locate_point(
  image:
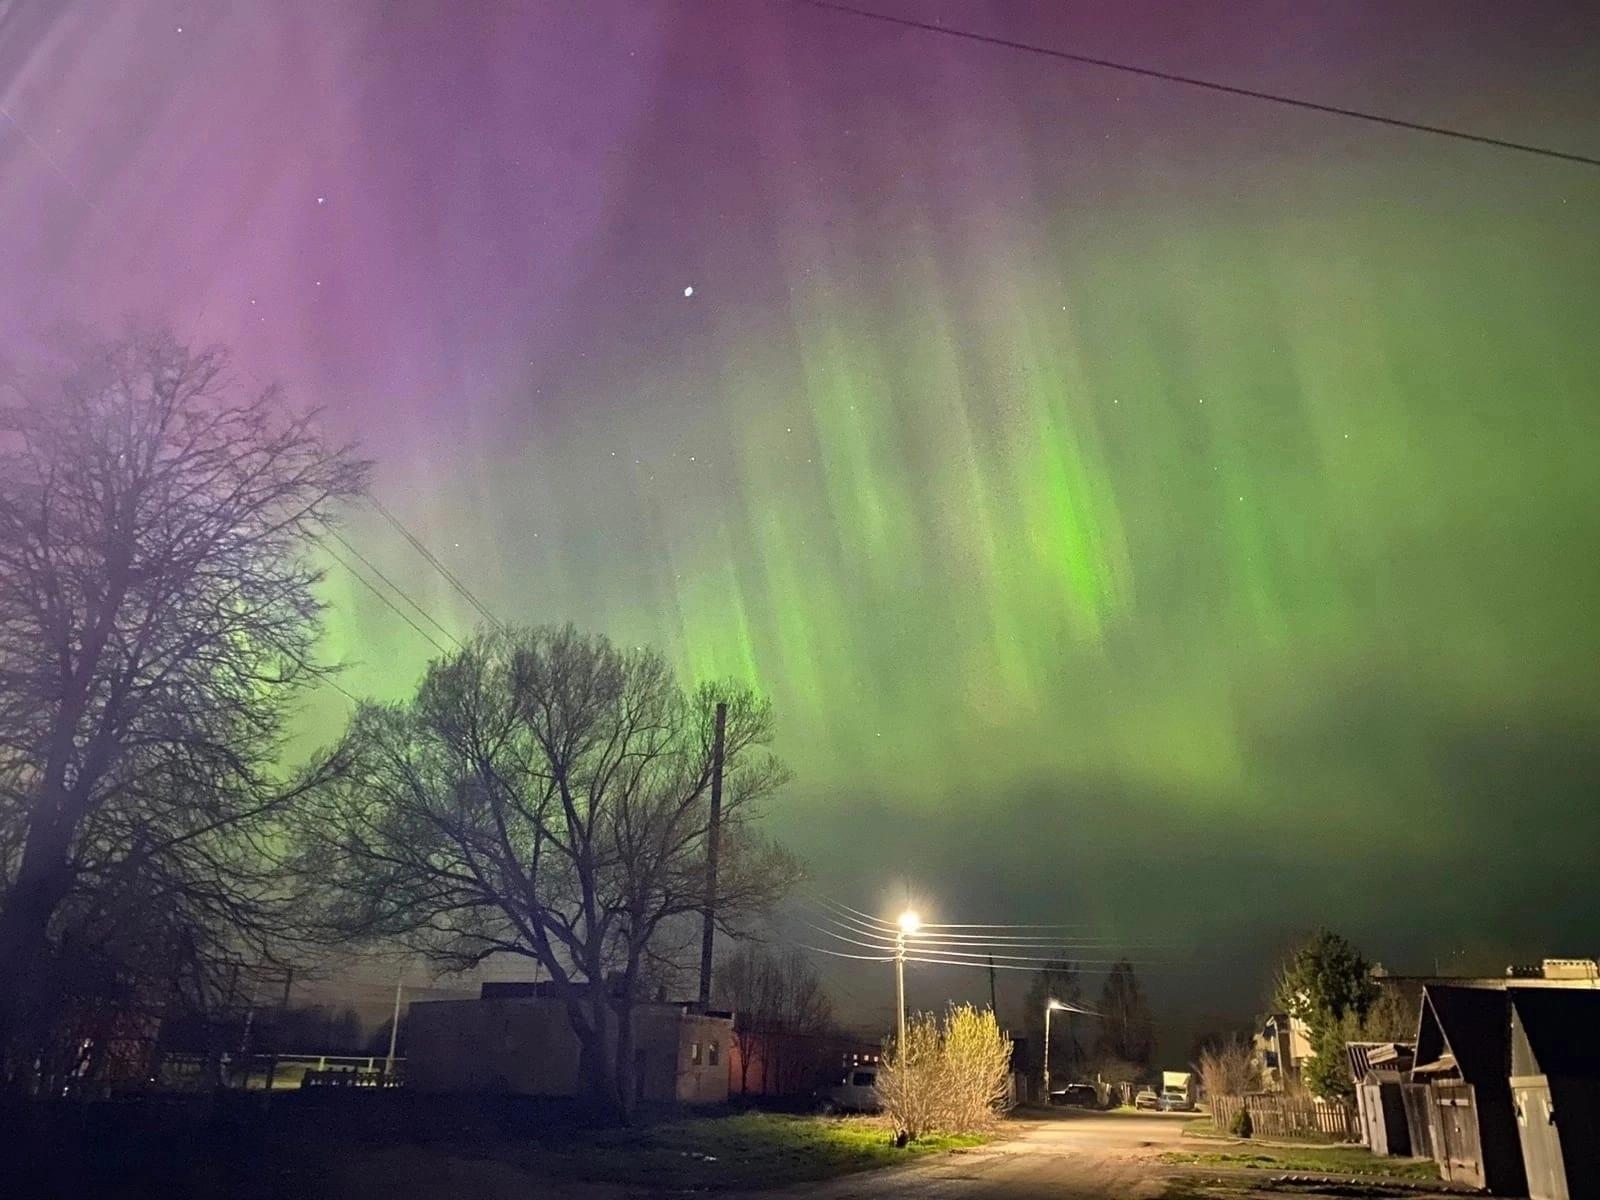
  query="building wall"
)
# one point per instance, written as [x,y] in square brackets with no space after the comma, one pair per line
[525,1046]
[522,1046]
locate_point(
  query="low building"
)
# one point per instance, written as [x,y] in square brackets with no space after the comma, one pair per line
[1555,1089]
[518,1041]
[1379,1071]
[780,1063]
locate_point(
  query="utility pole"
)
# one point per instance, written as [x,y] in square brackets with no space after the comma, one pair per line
[394,1024]
[909,924]
[272,1063]
[708,929]
[994,1005]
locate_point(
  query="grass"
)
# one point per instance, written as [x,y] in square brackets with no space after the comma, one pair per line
[1328,1160]
[741,1151]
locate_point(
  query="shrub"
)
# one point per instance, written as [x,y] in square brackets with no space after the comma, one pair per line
[949,1077]
[1241,1125]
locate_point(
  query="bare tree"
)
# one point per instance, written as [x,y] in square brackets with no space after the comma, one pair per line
[774,999]
[1229,1068]
[546,795]
[157,620]
[1127,1032]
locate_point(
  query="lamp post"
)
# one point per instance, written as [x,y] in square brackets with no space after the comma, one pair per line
[909,924]
[1050,1006]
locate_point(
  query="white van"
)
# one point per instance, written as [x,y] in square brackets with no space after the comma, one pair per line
[855,1092]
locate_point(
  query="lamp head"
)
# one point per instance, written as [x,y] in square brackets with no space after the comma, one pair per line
[910,922]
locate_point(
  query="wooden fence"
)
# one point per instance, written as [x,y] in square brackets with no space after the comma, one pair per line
[1273,1114]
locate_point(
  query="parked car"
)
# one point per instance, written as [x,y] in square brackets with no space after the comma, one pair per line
[855,1092]
[1146,1098]
[1076,1095]
[1176,1100]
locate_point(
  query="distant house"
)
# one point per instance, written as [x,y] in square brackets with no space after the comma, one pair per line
[1555,1089]
[517,1040]
[1282,1044]
[1462,1057]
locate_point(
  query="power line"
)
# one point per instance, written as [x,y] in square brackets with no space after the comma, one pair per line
[393,607]
[977,957]
[841,954]
[1064,947]
[1207,84]
[400,591]
[434,561]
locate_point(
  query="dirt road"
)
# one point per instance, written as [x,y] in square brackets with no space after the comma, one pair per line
[1066,1155]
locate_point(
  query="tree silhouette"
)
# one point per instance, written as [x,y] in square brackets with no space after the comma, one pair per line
[157,620]
[545,795]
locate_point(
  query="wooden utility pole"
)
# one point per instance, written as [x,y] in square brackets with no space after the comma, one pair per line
[277,1041]
[713,839]
[994,1005]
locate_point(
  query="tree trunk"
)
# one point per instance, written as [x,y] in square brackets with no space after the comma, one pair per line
[24,952]
[590,1021]
[627,1082]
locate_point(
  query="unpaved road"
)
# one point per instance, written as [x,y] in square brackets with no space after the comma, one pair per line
[1065,1155]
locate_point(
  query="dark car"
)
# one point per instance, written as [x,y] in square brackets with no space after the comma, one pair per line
[1076,1095]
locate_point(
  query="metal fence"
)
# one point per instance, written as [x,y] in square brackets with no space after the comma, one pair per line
[1273,1114]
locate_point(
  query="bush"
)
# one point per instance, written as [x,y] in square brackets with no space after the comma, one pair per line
[1241,1125]
[951,1076]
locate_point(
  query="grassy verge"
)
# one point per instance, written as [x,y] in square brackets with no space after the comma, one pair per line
[1329,1160]
[744,1151]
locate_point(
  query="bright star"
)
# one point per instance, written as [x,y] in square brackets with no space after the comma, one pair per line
[688,291]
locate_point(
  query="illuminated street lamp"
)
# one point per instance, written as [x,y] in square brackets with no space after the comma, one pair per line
[1051,1005]
[909,924]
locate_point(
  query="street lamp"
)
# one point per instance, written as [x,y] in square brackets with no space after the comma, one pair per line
[1051,1005]
[909,924]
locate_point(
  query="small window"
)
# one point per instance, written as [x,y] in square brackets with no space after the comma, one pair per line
[864,1079]
[694,1053]
[711,1054]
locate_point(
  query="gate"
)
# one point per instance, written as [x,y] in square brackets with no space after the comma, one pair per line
[1456,1146]
[1418,1105]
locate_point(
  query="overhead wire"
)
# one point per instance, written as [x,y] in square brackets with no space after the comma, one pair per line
[378,592]
[433,560]
[973,957]
[1210,85]
[398,590]
[1063,946]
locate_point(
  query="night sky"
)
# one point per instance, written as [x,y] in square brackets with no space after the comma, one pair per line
[1161,510]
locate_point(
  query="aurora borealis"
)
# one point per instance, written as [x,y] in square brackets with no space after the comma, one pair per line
[1159,510]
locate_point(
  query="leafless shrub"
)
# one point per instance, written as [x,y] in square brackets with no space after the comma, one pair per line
[1230,1068]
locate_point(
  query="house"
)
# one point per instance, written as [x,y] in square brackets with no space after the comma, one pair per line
[1555,1089]
[1379,1071]
[1462,1057]
[517,1040]
[1282,1044]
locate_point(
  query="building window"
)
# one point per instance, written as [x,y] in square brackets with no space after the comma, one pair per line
[711,1054]
[694,1053]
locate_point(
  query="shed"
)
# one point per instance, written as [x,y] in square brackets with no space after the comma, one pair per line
[1463,1055]
[1379,1069]
[1555,1086]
